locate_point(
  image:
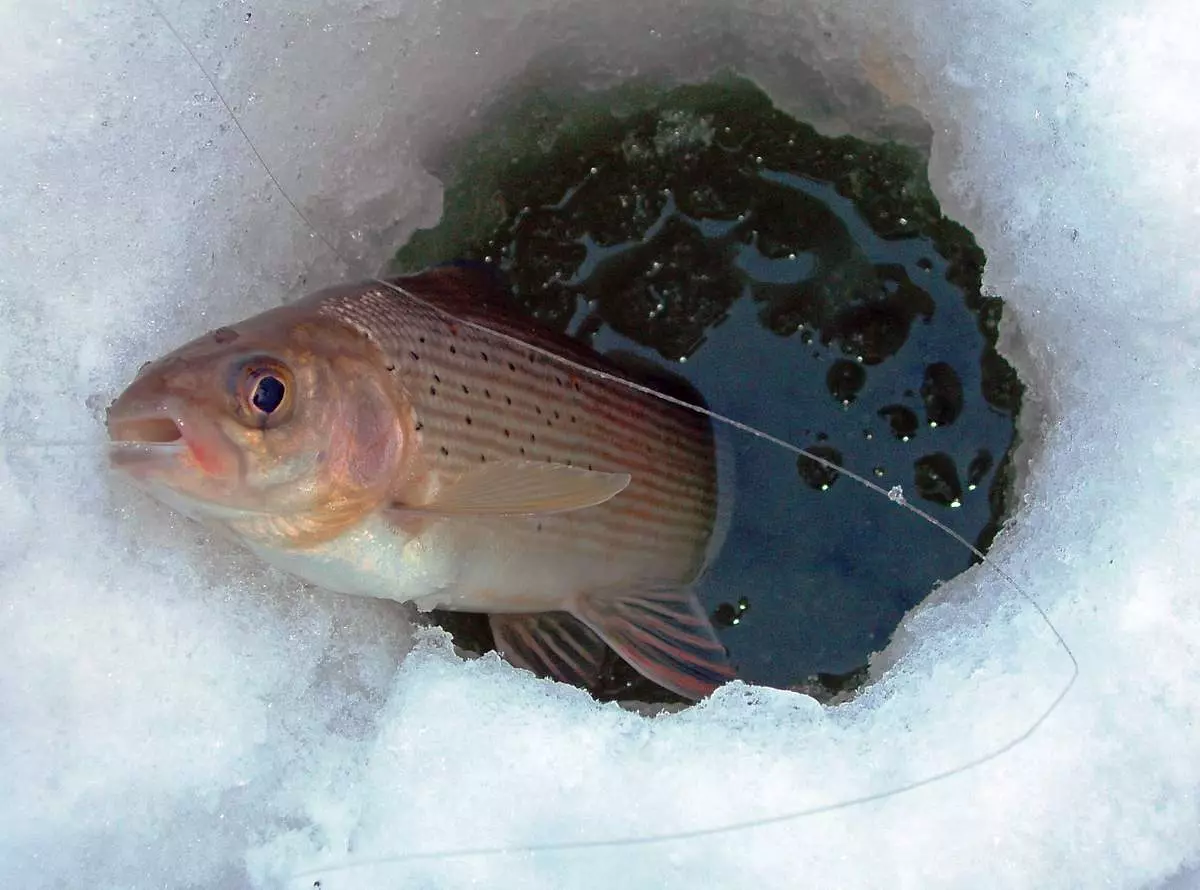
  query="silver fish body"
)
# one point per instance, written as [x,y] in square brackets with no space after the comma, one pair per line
[480,466]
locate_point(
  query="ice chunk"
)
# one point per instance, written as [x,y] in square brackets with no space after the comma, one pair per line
[175,714]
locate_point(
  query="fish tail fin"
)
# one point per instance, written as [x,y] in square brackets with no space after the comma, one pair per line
[725,458]
[661,629]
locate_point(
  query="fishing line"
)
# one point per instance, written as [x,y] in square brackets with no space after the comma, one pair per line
[894,495]
[645,840]
[246,136]
[53,443]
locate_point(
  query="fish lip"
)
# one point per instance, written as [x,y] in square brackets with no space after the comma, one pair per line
[133,421]
[156,436]
[145,429]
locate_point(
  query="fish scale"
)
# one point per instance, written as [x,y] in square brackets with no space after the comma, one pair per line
[467,388]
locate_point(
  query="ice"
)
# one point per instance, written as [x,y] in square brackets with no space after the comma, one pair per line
[177,715]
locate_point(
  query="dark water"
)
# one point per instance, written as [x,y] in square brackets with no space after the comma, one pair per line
[807,286]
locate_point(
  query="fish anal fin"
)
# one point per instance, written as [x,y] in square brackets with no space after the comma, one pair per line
[519,488]
[661,629]
[550,644]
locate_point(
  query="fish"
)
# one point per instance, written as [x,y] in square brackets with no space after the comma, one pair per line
[419,440]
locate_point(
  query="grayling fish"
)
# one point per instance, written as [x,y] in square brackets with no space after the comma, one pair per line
[376,442]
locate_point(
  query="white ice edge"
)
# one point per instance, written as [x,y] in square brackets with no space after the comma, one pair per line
[173,714]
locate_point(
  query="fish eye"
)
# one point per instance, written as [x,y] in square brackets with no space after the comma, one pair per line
[263,389]
[268,394]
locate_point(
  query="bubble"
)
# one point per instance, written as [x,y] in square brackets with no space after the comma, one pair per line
[844,380]
[816,475]
[942,392]
[936,478]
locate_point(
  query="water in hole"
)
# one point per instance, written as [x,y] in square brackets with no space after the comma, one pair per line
[808,286]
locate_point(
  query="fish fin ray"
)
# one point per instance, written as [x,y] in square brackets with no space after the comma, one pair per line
[521,488]
[550,644]
[661,629]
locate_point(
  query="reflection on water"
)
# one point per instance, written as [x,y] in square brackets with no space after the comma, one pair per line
[807,286]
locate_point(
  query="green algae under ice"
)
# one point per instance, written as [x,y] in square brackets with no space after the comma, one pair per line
[809,286]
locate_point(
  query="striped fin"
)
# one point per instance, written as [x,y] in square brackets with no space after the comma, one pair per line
[550,644]
[662,631]
[520,488]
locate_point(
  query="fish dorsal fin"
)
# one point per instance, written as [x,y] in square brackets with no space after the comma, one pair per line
[654,375]
[521,488]
[484,279]
[464,288]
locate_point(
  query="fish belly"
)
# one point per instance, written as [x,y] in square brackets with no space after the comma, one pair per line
[537,565]
[373,559]
[512,565]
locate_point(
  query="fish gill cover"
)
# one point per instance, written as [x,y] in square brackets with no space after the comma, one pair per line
[810,286]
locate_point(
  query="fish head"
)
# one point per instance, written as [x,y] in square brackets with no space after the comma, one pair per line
[286,414]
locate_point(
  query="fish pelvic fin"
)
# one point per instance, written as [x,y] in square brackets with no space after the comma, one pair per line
[519,488]
[550,644]
[661,629]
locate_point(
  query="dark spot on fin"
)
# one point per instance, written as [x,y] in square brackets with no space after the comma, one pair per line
[550,644]
[662,631]
[654,375]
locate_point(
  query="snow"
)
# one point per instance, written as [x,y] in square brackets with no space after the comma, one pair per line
[174,714]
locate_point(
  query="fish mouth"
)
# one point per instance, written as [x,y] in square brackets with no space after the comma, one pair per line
[145,444]
[162,437]
[153,430]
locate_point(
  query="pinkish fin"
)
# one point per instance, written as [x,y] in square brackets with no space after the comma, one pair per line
[550,644]
[521,488]
[660,629]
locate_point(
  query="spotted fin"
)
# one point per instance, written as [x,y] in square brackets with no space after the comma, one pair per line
[550,644]
[662,630]
[519,488]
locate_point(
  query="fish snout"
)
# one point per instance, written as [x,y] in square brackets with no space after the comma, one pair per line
[146,413]
[142,424]
[156,434]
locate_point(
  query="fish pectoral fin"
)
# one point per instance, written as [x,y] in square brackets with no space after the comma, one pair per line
[550,644]
[661,629]
[521,488]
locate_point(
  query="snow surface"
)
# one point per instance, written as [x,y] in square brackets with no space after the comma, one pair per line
[177,715]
